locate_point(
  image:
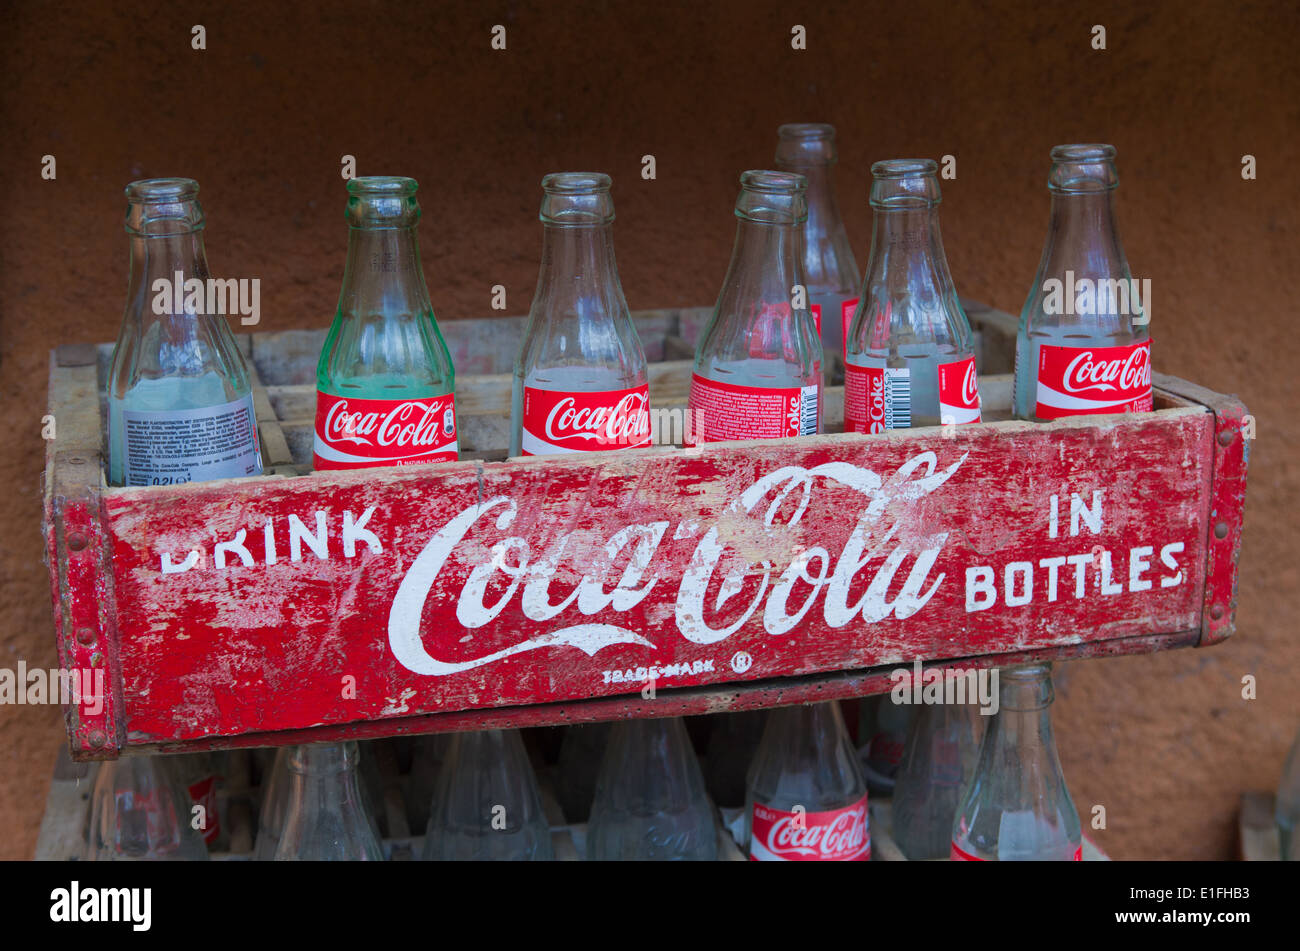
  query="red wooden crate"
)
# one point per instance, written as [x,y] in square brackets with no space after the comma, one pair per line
[507,593]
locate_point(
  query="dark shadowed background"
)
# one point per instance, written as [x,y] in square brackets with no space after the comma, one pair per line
[262,117]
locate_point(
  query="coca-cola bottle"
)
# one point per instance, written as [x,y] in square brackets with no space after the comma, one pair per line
[938,758]
[325,816]
[758,363]
[885,739]
[581,753]
[807,798]
[429,754]
[580,380]
[385,380]
[1084,343]
[911,360]
[275,797]
[486,805]
[180,407]
[830,270]
[650,800]
[1016,806]
[1287,809]
[140,811]
[201,776]
[733,740]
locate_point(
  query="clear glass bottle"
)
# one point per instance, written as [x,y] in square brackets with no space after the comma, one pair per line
[758,363]
[883,750]
[1084,344]
[807,798]
[275,797]
[486,805]
[911,359]
[580,381]
[1016,807]
[733,741]
[385,380]
[581,753]
[830,270]
[202,775]
[325,817]
[429,753]
[650,800]
[938,758]
[179,399]
[1287,810]
[139,811]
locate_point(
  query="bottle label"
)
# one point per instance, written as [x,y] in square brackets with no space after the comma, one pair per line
[1076,381]
[204,793]
[959,394]
[169,447]
[353,433]
[877,398]
[958,855]
[560,421]
[839,835]
[886,752]
[817,317]
[720,411]
[847,310]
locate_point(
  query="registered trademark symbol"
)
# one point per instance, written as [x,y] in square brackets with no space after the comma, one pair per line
[741,662]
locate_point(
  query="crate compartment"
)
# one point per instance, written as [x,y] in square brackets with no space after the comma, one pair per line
[507,593]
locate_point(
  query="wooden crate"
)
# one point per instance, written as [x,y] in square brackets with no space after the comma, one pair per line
[660,582]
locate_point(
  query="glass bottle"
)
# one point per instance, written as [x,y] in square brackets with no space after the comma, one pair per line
[581,753]
[180,406]
[883,751]
[650,800]
[758,363]
[429,754]
[486,805]
[1084,344]
[830,270]
[938,758]
[275,797]
[325,817]
[580,381]
[1287,810]
[733,741]
[807,798]
[385,380]
[911,359]
[1016,806]
[139,811]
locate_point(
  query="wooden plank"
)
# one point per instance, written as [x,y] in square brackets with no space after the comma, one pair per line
[277,459]
[67,811]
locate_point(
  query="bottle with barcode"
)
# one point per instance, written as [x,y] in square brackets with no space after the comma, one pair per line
[830,269]
[911,360]
[180,407]
[758,363]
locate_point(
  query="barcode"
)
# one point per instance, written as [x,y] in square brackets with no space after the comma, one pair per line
[898,398]
[808,411]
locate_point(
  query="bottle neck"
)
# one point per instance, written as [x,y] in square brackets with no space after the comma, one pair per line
[172,258]
[1082,238]
[907,257]
[765,266]
[1022,729]
[578,275]
[383,276]
[324,775]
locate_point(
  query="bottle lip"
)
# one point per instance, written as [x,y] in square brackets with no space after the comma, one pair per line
[904,184]
[576,183]
[768,182]
[163,208]
[1083,168]
[576,200]
[161,190]
[771,197]
[383,186]
[1025,672]
[382,203]
[805,145]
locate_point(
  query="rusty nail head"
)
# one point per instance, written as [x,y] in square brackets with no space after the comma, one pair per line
[1225,438]
[1221,530]
[96,738]
[85,636]
[76,541]
[1216,612]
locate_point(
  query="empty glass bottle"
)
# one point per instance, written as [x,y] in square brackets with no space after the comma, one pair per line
[1016,806]
[180,407]
[275,796]
[650,800]
[884,726]
[325,817]
[807,798]
[758,363]
[1084,344]
[580,381]
[830,270]
[486,805]
[733,741]
[939,757]
[911,360]
[139,811]
[1287,810]
[427,758]
[581,753]
[201,775]
[385,380]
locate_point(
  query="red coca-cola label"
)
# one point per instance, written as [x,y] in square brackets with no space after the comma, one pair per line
[560,421]
[1076,381]
[353,433]
[817,317]
[865,400]
[839,835]
[204,793]
[886,750]
[959,394]
[720,411]
[959,855]
[847,310]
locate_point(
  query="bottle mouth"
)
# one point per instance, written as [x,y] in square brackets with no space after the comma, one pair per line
[772,197]
[382,201]
[163,207]
[577,199]
[901,184]
[805,144]
[1083,168]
